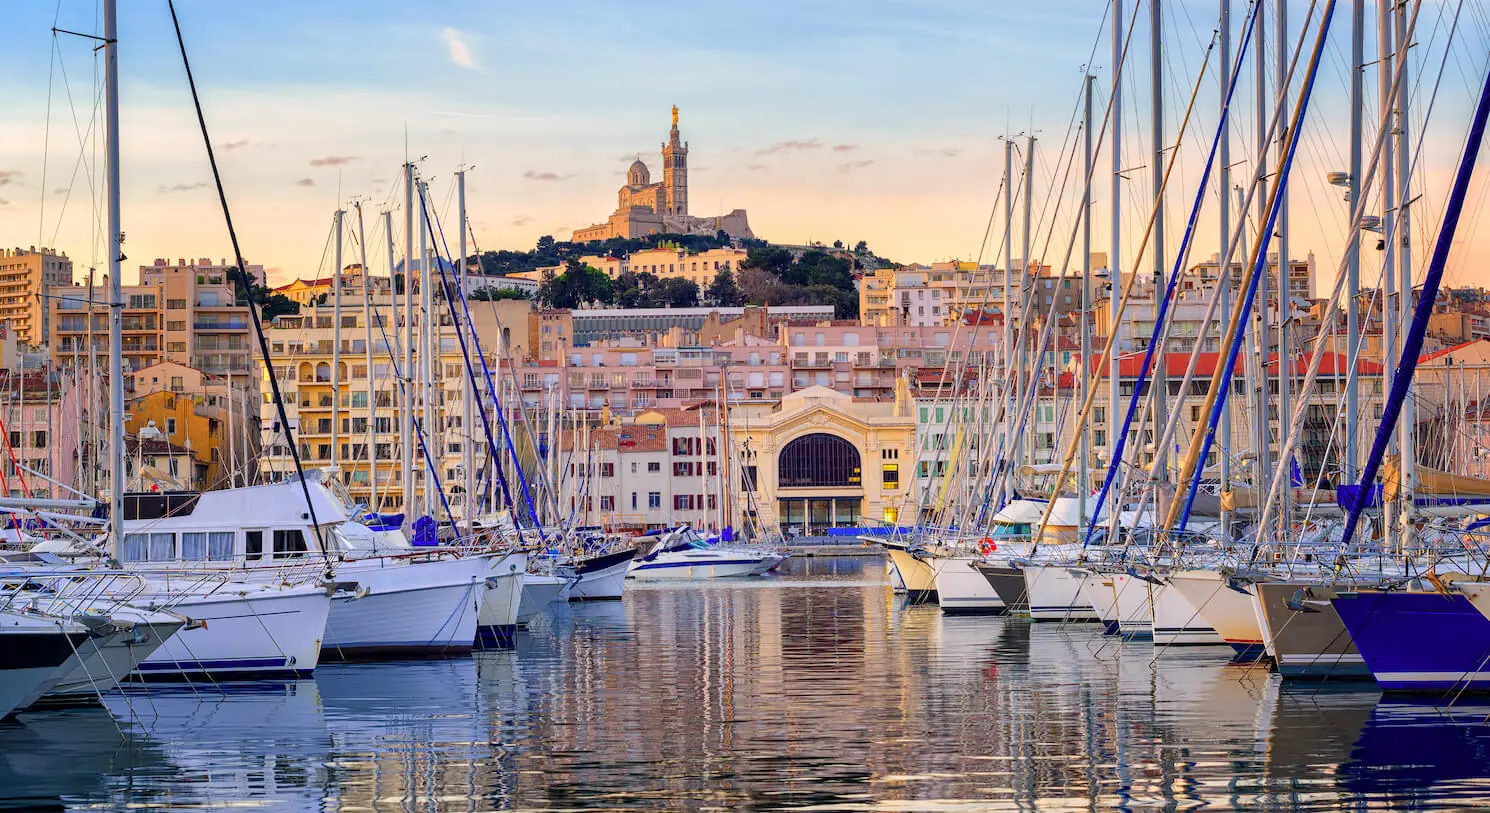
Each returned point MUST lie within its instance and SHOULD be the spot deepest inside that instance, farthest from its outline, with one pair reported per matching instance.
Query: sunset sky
(825, 120)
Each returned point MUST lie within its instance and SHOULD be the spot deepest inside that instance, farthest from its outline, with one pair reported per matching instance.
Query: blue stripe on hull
(1419, 642)
(219, 670)
(496, 636)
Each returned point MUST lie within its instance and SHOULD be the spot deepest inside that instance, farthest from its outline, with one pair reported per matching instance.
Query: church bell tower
(675, 171)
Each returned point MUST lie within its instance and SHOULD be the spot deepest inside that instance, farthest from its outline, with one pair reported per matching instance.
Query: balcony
(235, 324)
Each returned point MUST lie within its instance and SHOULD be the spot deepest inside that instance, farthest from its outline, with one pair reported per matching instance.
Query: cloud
(845, 147)
(233, 145)
(460, 51)
(332, 161)
(756, 167)
(535, 175)
(853, 165)
(788, 146)
(181, 187)
(4, 202)
(521, 220)
(9, 176)
(305, 182)
(945, 152)
(60, 191)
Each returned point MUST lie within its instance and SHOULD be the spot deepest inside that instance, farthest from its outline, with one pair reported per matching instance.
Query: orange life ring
(987, 546)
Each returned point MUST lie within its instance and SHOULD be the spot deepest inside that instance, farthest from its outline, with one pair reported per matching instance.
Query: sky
(879, 120)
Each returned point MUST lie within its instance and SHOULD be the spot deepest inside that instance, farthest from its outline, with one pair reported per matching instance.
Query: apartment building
(46, 418)
(185, 312)
(27, 278)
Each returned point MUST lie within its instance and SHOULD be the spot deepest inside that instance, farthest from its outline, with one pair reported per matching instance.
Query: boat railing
(68, 591)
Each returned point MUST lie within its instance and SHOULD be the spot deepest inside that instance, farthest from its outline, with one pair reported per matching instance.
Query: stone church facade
(644, 207)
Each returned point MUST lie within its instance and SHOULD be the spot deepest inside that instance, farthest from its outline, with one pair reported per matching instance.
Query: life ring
(987, 546)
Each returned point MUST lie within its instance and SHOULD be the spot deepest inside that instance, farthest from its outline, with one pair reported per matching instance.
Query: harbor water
(812, 690)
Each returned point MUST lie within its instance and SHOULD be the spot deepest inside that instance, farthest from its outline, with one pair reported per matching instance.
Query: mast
(116, 291)
(336, 343)
(1114, 302)
(1027, 371)
(1011, 398)
(426, 357)
(1160, 390)
(232, 446)
(406, 424)
(1353, 250)
(1223, 260)
(1407, 428)
(1388, 212)
(1285, 290)
(468, 438)
(372, 405)
(389, 349)
(1086, 298)
(1257, 337)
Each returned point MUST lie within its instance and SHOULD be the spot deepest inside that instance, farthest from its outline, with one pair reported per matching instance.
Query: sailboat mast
(1257, 338)
(1285, 292)
(406, 423)
(426, 356)
(1160, 388)
(1223, 261)
(1353, 251)
(336, 343)
(1022, 453)
(1387, 305)
(116, 290)
(390, 351)
(1407, 428)
(1113, 276)
(1010, 399)
(468, 438)
(1086, 300)
(372, 405)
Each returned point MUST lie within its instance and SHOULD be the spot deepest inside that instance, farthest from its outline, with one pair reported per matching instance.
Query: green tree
(723, 292)
(676, 292)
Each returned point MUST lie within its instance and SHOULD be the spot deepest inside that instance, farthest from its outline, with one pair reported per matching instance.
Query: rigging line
(244, 283)
(1257, 267)
(460, 334)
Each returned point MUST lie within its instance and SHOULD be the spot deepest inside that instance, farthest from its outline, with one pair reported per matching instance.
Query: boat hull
(246, 635)
(30, 662)
(501, 602)
(1098, 591)
(402, 608)
(602, 578)
(1135, 609)
(1419, 642)
(1226, 610)
(1177, 622)
(1055, 594)
(919, 578)
(1008, 583)
(961, 589)
(1306, 645)
(678, 565)
(540, 592)
(100, 663)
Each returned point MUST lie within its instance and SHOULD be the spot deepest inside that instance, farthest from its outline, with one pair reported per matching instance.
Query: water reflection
(815, 690)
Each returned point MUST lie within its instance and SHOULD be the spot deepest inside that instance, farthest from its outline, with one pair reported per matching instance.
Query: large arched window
(819, 460)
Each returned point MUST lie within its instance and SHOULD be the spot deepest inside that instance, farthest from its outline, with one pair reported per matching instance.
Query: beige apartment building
(27, 278)
(186, 313)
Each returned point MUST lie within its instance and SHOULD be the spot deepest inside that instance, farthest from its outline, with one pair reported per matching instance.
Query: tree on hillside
(490, 294)
(774, 259)
(723, 292)
(576, 286)
(676, 292)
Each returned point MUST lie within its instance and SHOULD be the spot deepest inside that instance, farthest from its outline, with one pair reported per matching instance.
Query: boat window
(159, 547)
(289, 544)
(253, 544)
(216, 546)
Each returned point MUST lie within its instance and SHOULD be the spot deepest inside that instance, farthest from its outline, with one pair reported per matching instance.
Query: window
(289, 544)
(175, 347)
(178, 384)
(39, 439)
(176, 326)
(253, 544)
(890, 475)
(655, 467)
(654, 499)
(607, 502)
(175, 304)
(748, 478)
(819, 460)
(151, 547)
(633, 471)
(607, 470)
(216, 546)
(633, 500)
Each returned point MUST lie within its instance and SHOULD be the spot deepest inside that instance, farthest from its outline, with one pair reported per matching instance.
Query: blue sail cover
(426, 533)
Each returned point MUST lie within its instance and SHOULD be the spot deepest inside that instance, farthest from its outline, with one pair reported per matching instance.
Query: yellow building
(27, 276)
(821, 459)
(305, 291)
(192, 422)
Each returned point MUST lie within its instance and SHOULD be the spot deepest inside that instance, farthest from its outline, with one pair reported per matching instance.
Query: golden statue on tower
(675, 117)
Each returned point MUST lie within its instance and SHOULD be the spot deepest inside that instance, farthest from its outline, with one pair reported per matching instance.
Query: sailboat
(683, 554)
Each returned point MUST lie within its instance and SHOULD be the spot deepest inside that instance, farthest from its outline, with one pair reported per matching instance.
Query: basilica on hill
(644, 207)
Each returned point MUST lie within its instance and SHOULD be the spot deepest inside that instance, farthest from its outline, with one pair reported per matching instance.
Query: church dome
(638, 175)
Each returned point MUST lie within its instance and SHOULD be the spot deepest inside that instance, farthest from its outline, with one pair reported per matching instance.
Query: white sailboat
(683, 554)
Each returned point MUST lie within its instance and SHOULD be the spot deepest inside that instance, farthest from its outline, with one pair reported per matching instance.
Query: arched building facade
(821, 459)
